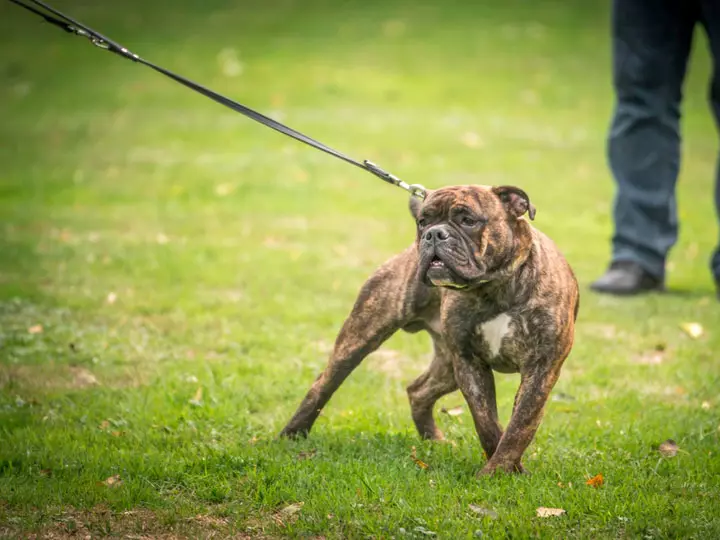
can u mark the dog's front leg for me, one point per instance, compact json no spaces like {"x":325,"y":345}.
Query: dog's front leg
{"x":477,"y":384}
{"x":535,"y":387}
{"x":380,"y":310}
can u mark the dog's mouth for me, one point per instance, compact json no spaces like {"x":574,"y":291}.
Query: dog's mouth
{"x":436,"y":262}
{"x":439,"y":274}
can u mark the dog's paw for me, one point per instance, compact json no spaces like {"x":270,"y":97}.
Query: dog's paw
{"x":291,"y":433}
{"x":507,"y":468}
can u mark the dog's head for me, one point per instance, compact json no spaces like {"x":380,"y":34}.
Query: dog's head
{"x":467,"y":234}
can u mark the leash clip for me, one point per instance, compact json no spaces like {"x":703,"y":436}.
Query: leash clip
{"x":93,"y":39}
{"x":102,"y":44}
{"x":415,"y":190}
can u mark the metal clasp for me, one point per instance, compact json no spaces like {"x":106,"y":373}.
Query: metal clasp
{"x":416,"y":190}
{"x":93,"y":39}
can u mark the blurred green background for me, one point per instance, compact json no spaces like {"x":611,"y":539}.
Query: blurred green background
{"x":153,"y":243}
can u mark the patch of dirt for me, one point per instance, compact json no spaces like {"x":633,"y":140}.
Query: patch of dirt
{"x":47,"y":376}
{"x":139,"y":524}
{"x":54,"y":376}
{"x":82,"y":378}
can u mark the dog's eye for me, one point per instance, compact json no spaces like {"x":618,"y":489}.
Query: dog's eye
{"x":467,"y":221}
{"x":421,"y":223}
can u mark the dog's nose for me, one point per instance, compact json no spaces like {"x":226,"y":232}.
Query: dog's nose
{"x":437,"y":234}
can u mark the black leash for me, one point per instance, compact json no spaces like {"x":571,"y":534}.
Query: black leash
{"x":74,"y":27}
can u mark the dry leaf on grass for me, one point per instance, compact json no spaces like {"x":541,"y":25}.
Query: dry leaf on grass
{"x":112,"y":481}
{"x":549,"y":512}
{"x":292,"y":509}
{"x":307,"y":455}
{"x":692,"y":329}
{"x":289,"y":513}
{"x":454,"y":411}
{"x":417,"y":461}
{"x":668,"y":448}
{"x":596,"y":481}
{"x":36,"y":329}
{"x":104,"y":424}
{"x":46,"y":472}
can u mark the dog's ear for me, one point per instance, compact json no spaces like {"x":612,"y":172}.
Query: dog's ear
{"x":415,"y":204}
{"x":515,"y":201}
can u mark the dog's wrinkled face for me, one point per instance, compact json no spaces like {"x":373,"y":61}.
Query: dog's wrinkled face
{"x":465,"y":233}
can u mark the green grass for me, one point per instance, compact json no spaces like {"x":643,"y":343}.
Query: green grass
{"x":233,"y":254}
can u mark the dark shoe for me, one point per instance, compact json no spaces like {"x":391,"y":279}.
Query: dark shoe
{"x":717,"y":288}
{"x":625,"y":278}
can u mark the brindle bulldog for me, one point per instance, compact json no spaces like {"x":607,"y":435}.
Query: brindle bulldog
{"x":492,"y":291}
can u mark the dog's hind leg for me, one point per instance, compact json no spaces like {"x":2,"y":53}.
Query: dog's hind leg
{"x":384,"y":305}
{"x":437,"y":381}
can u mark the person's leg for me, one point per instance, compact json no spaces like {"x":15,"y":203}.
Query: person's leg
{"x":710,"y":17}
{"x":651,"y":41}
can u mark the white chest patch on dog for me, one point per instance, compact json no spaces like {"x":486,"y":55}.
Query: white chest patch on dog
{"x":494,"y":331}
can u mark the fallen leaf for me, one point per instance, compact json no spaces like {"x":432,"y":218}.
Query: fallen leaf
{"x":692,"y":329}
{"x":482,"y":511}
{"x":549,"y":512}
{"x":117,"y":433}
{"x":292,"y":509}
{"x":36,"y":329}
{"x":197,"y":398}
{"x":596,"y":481}
{"x":46,"y":472}
{"x":307,"y":455}
{"x":111,"y":297}
{"x":668,"y":448}
{"x":104,"y":424}
{"x":455,"y":411}
{"x":112,"y":481}
{"x":417,"y":461}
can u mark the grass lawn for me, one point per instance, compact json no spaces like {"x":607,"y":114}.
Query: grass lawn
{"x":172,"y":275}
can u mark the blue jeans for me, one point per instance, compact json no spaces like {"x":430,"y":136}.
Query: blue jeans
{"x":651,"y":42}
